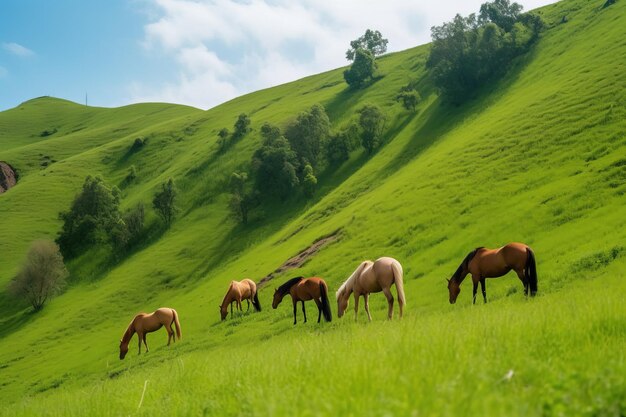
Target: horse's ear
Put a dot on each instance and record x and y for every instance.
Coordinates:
(448, 280)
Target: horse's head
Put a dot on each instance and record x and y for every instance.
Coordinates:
(278, 297)
(342, 303)
(223, 312)
(454, 289)
(123, 349)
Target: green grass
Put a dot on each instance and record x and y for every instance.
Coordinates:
(538, 157)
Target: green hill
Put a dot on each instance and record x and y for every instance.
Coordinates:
(538, 157)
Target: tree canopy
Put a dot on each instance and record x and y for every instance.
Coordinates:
(362, 69)
(371, 41)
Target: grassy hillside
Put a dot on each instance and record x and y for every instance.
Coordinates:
(537, 157)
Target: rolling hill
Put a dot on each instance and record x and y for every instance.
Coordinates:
(538, 157)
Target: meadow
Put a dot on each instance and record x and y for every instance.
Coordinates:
(536, 157)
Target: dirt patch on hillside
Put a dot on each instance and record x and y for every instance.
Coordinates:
(303, 256)
(8, 177)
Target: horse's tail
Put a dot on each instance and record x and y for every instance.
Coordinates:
(397, 275)
(177, 324)
(325, 304)
(530, 271)
(255, 301)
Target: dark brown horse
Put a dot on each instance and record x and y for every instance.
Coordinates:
(305, 289)
(144, 323)
(492, 263)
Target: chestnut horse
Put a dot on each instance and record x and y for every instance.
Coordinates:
(238, 291)
(493, 263)
(372, 277)
(145, 323)
(305, 289)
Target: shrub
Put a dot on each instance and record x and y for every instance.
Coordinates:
(164, 202)
(372, 122)
(242, 126)
(309, 182)
(362, 69)
(42, 275)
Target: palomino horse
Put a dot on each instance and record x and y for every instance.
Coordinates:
(372, 277)
(492, 263)
(145, 323)
(238, 291)
(305, 289)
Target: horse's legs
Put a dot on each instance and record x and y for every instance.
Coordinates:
(366, 297)
(295, 306)
(239, 306)
(144, 341)
(482, 287)
(170, 333)
(139, 339)
(231, 309)
(389, 296)
(356, 305)
(319, 309)
(475, 280)
(248, 301)
(303, 311)
(522, 278)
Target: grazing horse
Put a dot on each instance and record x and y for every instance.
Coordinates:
(145, 323)
(238, 291)
(305, 289)
(493, 263)
(372, 277)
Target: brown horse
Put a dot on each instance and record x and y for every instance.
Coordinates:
(492, 263)
(305, 289)
(145, 323)
(238, 291)
(372, 277)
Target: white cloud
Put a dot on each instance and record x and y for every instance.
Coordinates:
(224, 48)
(17, 49)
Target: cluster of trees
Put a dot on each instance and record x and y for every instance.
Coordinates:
(468, 51)
(363, 52)
(94, 217)
(240, 129)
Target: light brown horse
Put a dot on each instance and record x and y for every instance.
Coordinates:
(238, 291)
(304, 289)
(372, 277)
(492, 263)
(144, 323)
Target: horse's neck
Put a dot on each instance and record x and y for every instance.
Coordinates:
(129, 332)
(228, 298)
(462, 273)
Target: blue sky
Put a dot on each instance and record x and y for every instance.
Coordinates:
(196, 52)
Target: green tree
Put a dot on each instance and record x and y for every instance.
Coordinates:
(371, 41)
(501, 12)
(341, 143)
(222, 140)
(372, 122)
(409, 99)
(242, 126)
(362, 69)
(164, 202)
(308, 134)
(242, 199)
(91, 217)
(275, 164)
(309, 182)
(42, 275)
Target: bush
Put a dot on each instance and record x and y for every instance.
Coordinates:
(372, 122)
(362, 69)
(341, 143)
(42, 275)
(308, 134)
(138, 143)
(275, 164)
(164, 202)
(222, 140)
(409, 99)
(242, 126)
(132, 174)
(91, 218)
(309, 182)
(242, 200)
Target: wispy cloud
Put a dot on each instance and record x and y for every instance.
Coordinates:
(224, 48)
(17, 49)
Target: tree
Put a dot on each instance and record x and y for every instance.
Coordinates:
(409, 99)
(164, 202)
(372, 123)
(91, 217)
(501, 12)
(341, 143)
(361, 70)
(308, 134)
(275, 164)
(242, 200)
(242, 126)
(309, 182)
(371, 41)
(223, 135)
(42, 275)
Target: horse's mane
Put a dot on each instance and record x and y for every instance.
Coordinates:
(228, 292)
(129, 331)
(284, 289)
(349, 283)
(457, 274)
